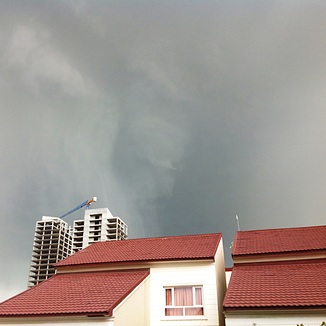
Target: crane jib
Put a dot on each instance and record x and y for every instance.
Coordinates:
(85, 203)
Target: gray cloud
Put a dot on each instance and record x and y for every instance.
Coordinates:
(176, 115)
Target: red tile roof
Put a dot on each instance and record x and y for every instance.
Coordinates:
(296, 284)
(279, 240)
(74, 294)
(186, 247)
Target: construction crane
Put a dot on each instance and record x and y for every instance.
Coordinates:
(85, 203)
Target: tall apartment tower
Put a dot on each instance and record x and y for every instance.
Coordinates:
(55, 240)
(52, 242)
(97, 225)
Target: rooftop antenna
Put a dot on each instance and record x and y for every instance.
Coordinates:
(86, 203)
(238, 222)
(238, 225)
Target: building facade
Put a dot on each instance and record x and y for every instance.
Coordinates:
(55, 240)
(97, 225)
(52, 242)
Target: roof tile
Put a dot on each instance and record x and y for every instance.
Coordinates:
(186, 247)
(74, 294)
(279, 240)
(281, 284)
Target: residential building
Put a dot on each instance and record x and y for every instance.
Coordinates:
(97, 225)
(178, 280)
(55, 240)
(278, 277)
(52, 242)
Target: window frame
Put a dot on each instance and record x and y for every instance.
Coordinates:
(184, 308)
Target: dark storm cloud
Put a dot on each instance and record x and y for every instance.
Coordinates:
(176, 115)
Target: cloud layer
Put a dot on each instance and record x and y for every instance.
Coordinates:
(177, 115)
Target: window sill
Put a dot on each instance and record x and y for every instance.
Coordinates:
(180, 318)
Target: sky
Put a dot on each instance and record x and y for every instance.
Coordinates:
(178, 115)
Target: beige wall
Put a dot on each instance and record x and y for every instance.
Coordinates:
(134, 310)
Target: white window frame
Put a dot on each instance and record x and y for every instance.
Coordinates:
(195, 305)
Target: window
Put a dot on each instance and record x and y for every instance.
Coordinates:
(184, 301)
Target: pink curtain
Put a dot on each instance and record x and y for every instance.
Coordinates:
(194, 311)
(168, 297)
(183, 296)
(199, 297)
(173, 311)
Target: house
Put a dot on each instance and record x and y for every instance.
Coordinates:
(178, 280)
(278, 277)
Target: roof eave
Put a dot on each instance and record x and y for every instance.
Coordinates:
(105, 314)
(128, 264)
(272, 309)
(280, 256)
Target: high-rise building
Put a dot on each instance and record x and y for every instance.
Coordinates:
(54, 239)
(52, 242)
(97, 225)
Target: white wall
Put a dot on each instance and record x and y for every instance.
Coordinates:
(202, 273)
(276, 319)
(105, 214)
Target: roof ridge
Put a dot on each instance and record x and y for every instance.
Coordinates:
(284, 228)
(171, 236)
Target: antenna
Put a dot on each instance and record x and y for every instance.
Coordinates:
(238, 222)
